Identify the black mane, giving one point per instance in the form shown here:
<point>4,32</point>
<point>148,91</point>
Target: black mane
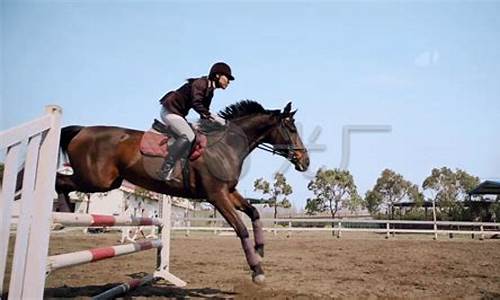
<point>241,109</point>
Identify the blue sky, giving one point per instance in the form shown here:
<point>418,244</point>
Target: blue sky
<point>429,69</point>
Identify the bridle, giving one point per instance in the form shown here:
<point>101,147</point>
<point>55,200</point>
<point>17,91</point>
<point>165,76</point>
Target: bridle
<point>287,150</point>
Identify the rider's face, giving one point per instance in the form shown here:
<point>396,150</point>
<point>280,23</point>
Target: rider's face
<point>223,82</point>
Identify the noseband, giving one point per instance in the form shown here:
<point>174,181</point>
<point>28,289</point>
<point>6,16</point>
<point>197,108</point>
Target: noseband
<point>287,150</point>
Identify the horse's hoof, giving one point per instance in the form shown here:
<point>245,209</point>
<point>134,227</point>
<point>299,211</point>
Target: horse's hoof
<point>260,250</point>
<point>258,274</point>
<point>259,279</point>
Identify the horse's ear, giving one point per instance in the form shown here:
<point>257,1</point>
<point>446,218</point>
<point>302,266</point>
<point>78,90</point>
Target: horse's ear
<point>287,109</point>
<point>293,113</point>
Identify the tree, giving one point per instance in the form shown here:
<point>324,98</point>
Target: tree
<point>416,195</point>
<point>373,201</point>
<point>278,192</point>
<point>332,190</point>
<point>495,209</point>
<point>391,188</point>
<point>449,189</point>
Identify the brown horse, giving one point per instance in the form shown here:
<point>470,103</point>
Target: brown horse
<point>102,157</point>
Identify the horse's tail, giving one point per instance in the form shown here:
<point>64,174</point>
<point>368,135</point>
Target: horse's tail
<point>67,134</point>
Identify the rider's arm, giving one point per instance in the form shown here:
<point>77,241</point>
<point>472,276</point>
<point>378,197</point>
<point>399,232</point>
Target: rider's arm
<point>198,90</point>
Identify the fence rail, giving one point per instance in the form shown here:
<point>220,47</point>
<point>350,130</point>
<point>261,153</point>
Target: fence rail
<point>337,226</point>
<point>330,221</point>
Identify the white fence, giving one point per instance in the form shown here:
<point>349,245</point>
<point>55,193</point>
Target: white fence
<point>41,138</point>
<point>351,225</point>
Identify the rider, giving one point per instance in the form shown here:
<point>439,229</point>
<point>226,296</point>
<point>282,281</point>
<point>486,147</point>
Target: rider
<point>196,93</point>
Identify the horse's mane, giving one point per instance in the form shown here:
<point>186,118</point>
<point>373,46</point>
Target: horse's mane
<point>242,108</point>
<point>239,109</point>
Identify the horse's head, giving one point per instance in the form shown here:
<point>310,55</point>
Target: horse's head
<point>270,130</point>
<point>286,141</point>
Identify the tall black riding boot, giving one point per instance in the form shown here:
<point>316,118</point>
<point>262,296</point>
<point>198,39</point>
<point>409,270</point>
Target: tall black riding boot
<point>177,150</point>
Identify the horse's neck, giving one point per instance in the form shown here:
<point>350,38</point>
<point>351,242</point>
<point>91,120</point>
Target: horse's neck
<point>227,150</point>
<point>254,129</point>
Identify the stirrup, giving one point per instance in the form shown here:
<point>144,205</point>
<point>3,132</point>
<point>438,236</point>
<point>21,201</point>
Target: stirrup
<point>170,176</point>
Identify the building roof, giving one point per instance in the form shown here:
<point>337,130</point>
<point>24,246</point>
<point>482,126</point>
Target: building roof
<point>257,201</point>
<point>128,187</point>
<point>487,187</point>
<point>412,204</point>
<point>429,203</point>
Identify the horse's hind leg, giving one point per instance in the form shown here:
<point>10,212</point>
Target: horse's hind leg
<point>240,203</point>
<point>64,204</point>
<point>64,186</point>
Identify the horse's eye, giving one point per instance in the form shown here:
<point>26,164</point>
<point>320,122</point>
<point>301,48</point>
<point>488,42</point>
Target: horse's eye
<point>291,126</point>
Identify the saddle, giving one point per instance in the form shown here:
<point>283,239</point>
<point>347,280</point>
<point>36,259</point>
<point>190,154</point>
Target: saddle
<point>155,142</point>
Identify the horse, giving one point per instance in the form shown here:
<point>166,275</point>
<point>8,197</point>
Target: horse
<point>102,157</point>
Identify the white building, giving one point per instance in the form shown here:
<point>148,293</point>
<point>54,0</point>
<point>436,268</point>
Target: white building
<point>129,200</point>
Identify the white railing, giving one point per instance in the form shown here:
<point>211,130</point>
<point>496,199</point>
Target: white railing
<point>350,225</point>
<point>41,138</point>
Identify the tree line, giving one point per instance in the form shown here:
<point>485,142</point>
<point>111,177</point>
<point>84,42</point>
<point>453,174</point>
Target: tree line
<point>335,189</point>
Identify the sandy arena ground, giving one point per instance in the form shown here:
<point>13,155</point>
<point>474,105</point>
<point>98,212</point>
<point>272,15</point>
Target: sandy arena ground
<point>305,266</point>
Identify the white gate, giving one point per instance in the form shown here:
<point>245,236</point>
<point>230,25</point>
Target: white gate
<point>33,229</point>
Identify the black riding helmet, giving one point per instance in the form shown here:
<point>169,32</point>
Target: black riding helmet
<point>220,68</point>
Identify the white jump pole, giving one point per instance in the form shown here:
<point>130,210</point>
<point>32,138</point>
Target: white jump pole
<point>90,220</point>
<point>87,256</point>
<point>164,267</point>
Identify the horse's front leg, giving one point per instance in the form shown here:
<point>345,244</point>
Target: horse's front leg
<point>222,201</point>
<point>240,203</point>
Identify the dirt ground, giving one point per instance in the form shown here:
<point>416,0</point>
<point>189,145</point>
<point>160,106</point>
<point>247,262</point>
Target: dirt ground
<point>304,266</point>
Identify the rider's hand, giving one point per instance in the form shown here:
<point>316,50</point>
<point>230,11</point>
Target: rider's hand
<point>213,119</point>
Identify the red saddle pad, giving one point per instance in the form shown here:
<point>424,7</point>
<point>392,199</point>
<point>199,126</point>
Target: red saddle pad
<point>155,144</point>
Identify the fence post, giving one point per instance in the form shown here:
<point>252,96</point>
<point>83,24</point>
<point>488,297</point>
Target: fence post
<point>25,214</point>
<point>214,224</point>
<point>188,224</point>
<point>481,237</point>
<point>289,231</point>
<point>38,245</point>
<point>339,232</point>
<point>164,270</point>
<point>435,231</point>
<point>388,232</point>
<point>434,218</point>
<point>6,201</point>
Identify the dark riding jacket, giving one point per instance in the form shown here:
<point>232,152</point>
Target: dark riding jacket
<point>196,93</point>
